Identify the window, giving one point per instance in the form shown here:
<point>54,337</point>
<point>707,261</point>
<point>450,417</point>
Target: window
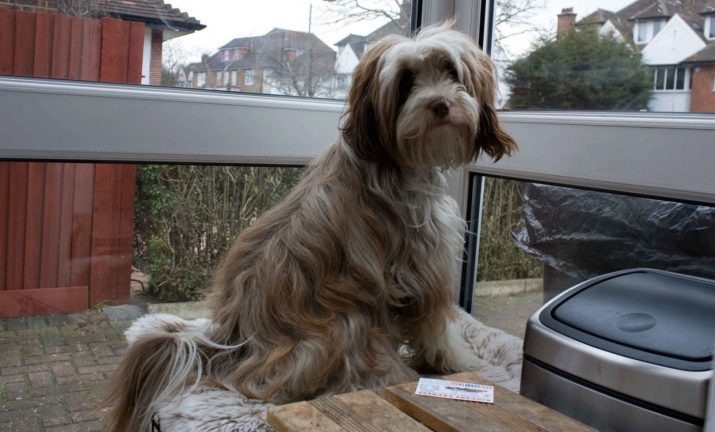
<point>505,268</point>
<point>642,31</point>
<point>560,236</point>
<point>249,77</point>
<point>711,29</point>
<point>671,78</point>
<point>579,145</point>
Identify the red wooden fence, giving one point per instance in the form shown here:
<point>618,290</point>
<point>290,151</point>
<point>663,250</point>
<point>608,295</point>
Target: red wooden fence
<point>66,228</point>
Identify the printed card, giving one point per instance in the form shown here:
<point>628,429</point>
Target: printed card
<point>455,390</point>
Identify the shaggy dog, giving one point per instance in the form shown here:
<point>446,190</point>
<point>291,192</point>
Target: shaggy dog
<point>349,282</point>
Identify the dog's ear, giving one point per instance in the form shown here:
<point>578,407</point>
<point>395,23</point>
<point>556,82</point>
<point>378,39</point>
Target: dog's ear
<point>367,129</point>
<point>480,80</point>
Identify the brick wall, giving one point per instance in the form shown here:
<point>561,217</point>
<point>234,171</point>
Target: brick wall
<point>702,96</point>
<point>30,5</point>
<point>156,53</point>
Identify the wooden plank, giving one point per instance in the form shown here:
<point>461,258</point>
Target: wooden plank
<point>43,45</point>
<point>115,51</point>
<point>441,415</point>
<point>82,223</point>
<point>300,417</point>
<point>91,47</point>
<point>24,43</point>
<point>4,206</point>
<point>7,41</point>
<point>74,64</point>
<point>51,216</point>
<point>136,53</point>
<point>61,33</point>
<point>17,199</point>
<point>42,301</point>
<point>538,414</point>
<point>507,412</point>
<point>102,282</point>
<point>371,413</point>
<point>66,221</point>
<point>33,228</point>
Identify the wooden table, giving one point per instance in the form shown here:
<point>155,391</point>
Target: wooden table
<point>398,409</point>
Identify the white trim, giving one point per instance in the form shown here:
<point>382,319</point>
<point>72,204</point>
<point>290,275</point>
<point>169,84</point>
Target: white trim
<point>146,56</point>
<point>659,155</point>
<point>708,27</point>
<point>44,119</point>
<point>663,155</point>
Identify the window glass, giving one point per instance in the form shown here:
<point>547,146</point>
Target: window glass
<point>537,240</point>
<point>306,49</point>
<point>84,247</point>
<point>712,27</point>
<point>669,78</point>
<point>680,79</point>
<point>597,55</point>
<point>642,28</point>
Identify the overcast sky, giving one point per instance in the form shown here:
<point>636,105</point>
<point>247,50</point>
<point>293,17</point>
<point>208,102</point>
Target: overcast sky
<point>227,19</point>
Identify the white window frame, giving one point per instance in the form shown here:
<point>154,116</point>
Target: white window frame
<point>660,155</point>
<point>709,30</point>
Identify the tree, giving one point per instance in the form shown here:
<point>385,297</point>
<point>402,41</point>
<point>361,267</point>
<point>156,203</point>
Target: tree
<point>304,70</point>
<point>511,17</point>
<point>580,70</point>
<point>173,61</point>
<point>351,11</point>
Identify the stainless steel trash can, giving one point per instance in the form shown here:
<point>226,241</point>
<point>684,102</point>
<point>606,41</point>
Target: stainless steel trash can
<point>625,351</point>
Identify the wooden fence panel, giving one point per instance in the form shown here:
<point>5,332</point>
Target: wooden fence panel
<point>66,228</point>
<point>24,43</point>
<point>17,219</point>
<point>82,222</point>
<point>61,33</point>
<point>91,48</point>
<point>7,42</point>
<point>33,230</point>
<point>66,224</point>
<point>43,45</point>
<point>4,206</point>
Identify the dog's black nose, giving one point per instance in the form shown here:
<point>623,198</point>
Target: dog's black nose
<point>440,108</point>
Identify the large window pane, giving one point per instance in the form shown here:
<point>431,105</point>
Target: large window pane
<point>538,240</point>
<point>76,238</point>
<point>302,48</point>
<point>598,56</point>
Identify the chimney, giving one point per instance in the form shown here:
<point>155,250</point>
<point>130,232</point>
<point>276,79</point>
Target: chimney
<point>567,19</point>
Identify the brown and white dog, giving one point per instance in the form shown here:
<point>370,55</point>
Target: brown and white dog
<point>349,282</point>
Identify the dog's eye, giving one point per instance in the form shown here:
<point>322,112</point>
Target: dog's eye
<point>407,81</point>
<point>452,71</point>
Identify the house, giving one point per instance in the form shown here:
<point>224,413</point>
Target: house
<point>351,48</point>
<point>162,22</point>
<point>675,37</point>
<point>278,62</point>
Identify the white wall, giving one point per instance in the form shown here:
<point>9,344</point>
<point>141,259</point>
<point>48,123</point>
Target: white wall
<point>609,29</point>
<point>670,101</point>
<point>146,56</point>
<point>673,44</point>
<point>346,60</point>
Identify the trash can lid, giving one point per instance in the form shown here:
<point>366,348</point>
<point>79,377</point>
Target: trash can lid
<point>650,315</point>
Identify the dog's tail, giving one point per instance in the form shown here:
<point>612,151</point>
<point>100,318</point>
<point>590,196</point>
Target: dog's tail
<point>166,358</point>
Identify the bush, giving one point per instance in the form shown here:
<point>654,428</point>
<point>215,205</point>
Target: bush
<point>187,216</point>
<point>499,258</point>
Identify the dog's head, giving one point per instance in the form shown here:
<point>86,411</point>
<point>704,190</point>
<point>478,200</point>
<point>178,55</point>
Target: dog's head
<point>424,102</point>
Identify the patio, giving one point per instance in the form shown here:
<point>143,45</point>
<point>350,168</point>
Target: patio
<point>54,369</point>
